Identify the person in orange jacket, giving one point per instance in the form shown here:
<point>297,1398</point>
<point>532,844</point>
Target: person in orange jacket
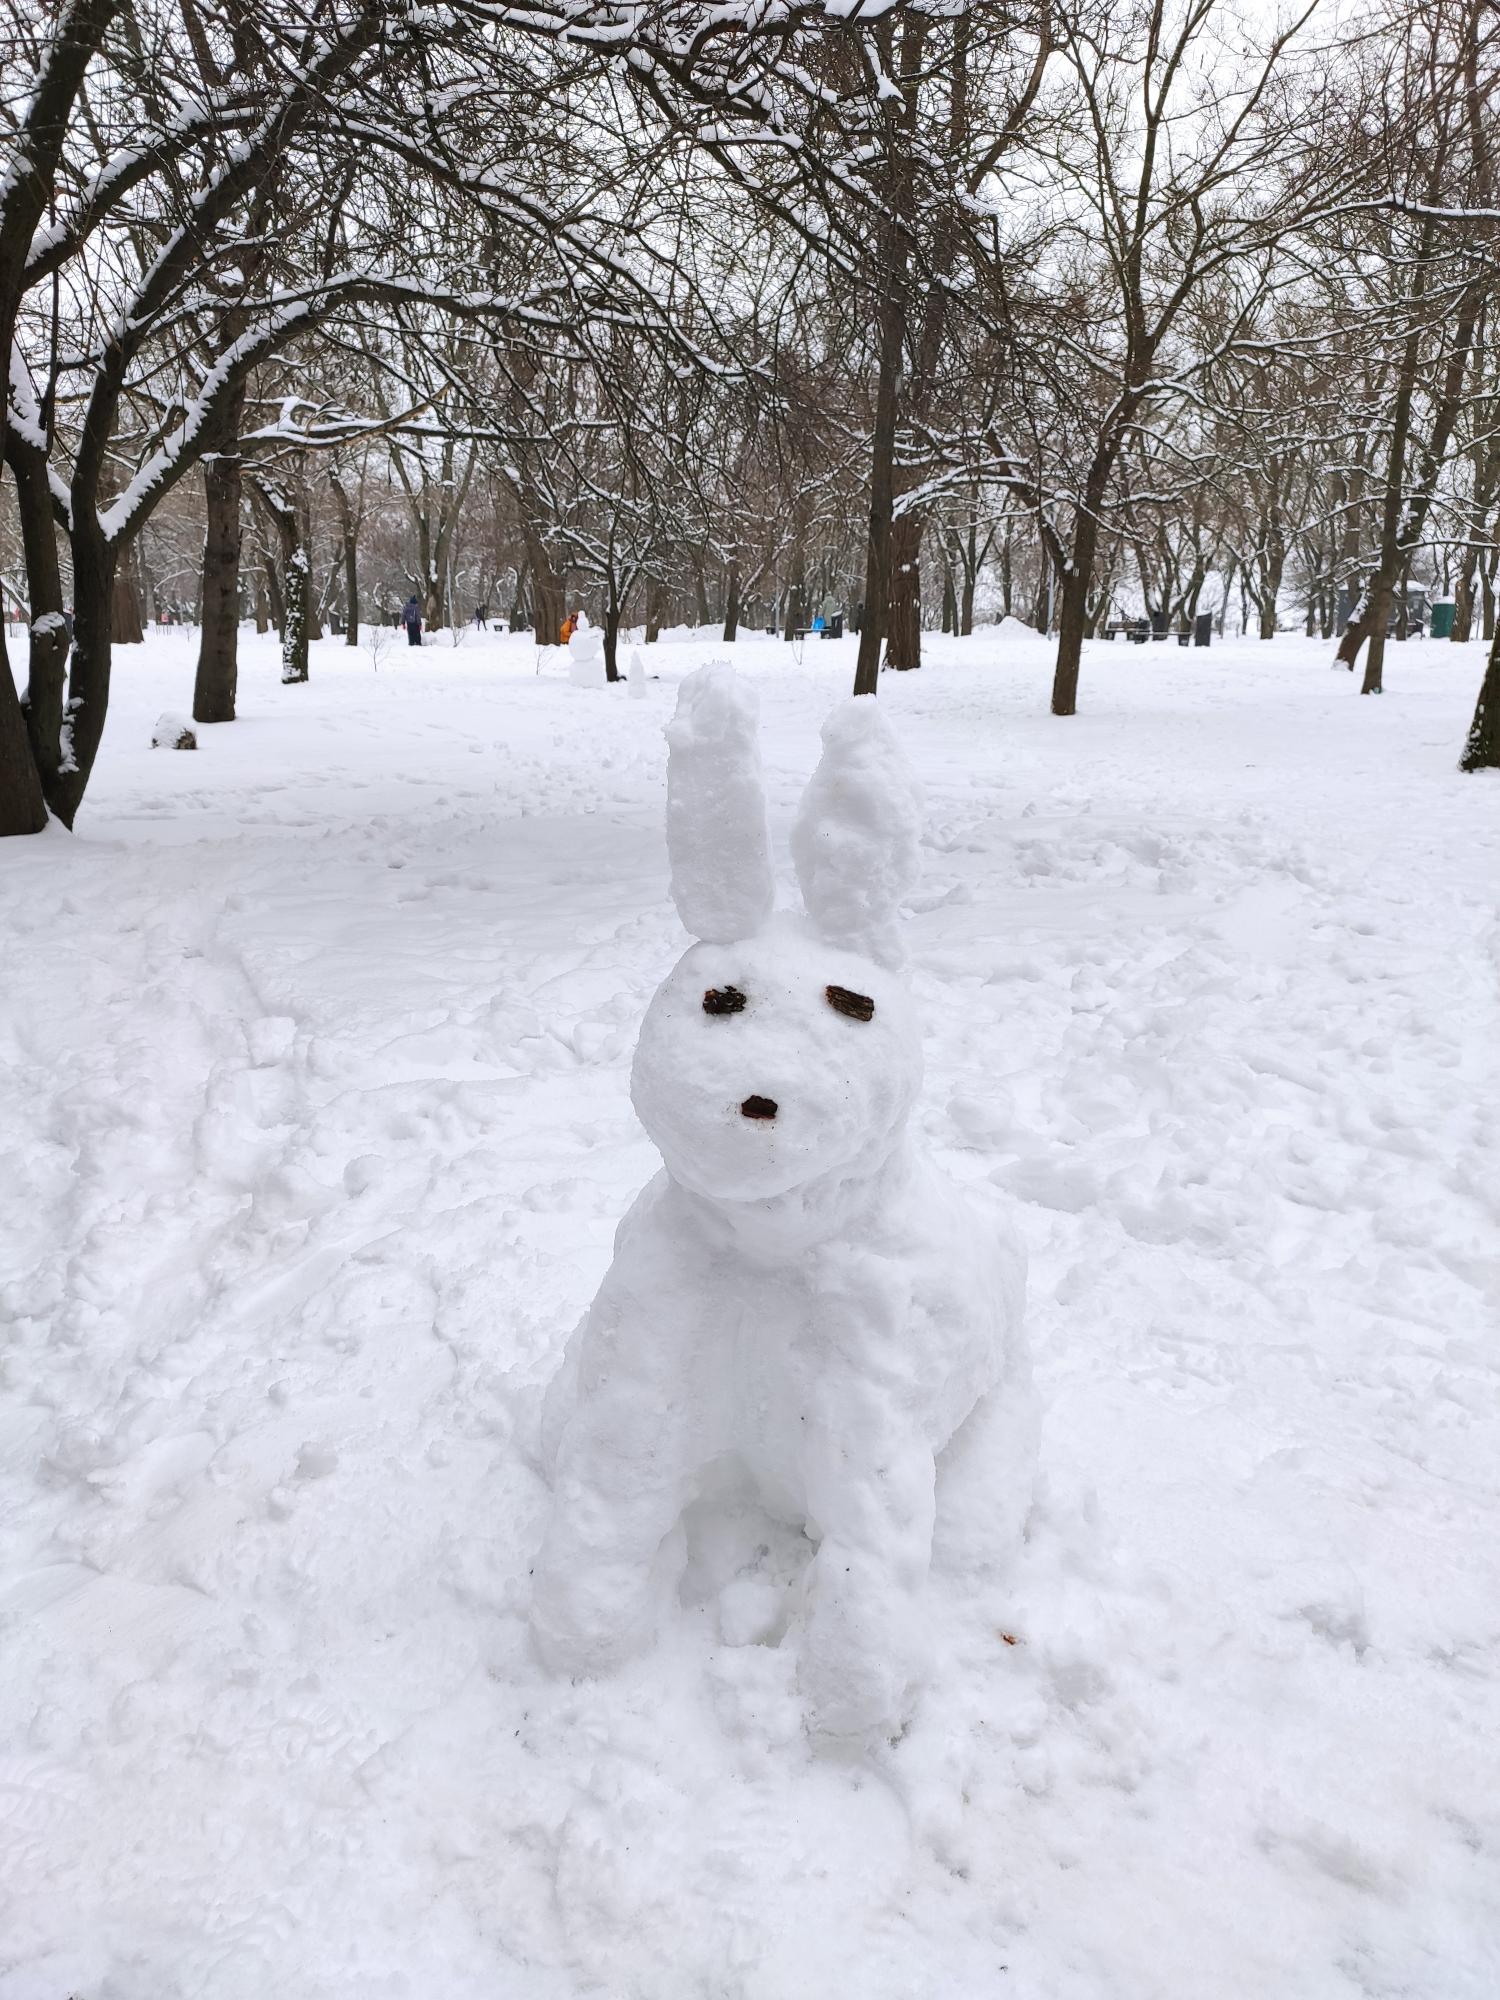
<point>569,626</point>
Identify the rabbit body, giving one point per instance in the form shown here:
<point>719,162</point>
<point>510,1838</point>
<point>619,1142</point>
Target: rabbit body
<point>799,1293</point>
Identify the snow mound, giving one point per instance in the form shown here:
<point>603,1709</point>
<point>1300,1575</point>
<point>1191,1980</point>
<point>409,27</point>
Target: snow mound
<point>1016,632</point>
<point>173,733</point>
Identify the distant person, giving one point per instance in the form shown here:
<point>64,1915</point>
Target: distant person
<point>481,617</point>
<point>569,627</point>
<point>411,618</point>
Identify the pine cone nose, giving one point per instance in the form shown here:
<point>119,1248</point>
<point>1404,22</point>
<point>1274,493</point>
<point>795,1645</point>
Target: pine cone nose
<point>758,1107</point>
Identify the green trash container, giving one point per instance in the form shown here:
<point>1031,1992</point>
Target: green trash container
<point>1442,618</point>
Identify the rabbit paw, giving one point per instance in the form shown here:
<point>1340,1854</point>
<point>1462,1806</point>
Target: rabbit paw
<point>851,1701</point>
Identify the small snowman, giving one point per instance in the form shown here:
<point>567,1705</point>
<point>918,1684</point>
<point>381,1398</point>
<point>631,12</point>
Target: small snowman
<point>586,655</point>
<point>800,1301</point>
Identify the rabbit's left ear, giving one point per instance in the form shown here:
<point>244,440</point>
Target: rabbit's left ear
<point>717,840</point>
<point>856,834</point>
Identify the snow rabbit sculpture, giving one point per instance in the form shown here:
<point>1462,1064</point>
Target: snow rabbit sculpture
<point>800,1294</point>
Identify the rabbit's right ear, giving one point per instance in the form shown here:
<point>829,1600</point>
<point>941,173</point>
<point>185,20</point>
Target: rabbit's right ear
<point>856,835</point>
<point>717,839</point>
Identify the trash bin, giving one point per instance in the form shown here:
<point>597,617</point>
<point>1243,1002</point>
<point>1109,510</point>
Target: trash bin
<point>1442,618</point>
<point>1203,628</point>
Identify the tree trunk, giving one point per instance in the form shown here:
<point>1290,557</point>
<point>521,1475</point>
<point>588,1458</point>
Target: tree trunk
<point>1377,618</point>
<point>971,577</point>
<point>426,581</point>
<point>1401,519</point>
<point>125,608</point>
<point>218,643</point>
<point>883,468</point>
<point>547,606</point>
<point>1273,564</point>
<point>350,550</point>
<point>903,648</point>
<point>36,137</point>
<point>655,609</point>
<point>94,567</point>
<point>1224,600</point>
<point>796,597</point>
<point>1463,598</point>
<point>349,556</point>
<point>1073,615</point>
<point>732,604</point>
<point>1482,748</point>
<point>294,590</point>
<point>612,636</point>
<point>22,807</point>
<point>42,708</point>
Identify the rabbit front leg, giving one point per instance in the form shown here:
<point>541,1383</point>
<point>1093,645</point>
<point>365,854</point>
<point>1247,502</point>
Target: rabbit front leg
<point>628,1456</point>
<point>870,1492</point>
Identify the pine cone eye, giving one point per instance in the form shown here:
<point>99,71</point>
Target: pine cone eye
<point>723,1000</point>
<point>858,1006</point>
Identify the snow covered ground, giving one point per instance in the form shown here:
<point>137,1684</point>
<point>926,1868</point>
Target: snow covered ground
<point>315,1130</point>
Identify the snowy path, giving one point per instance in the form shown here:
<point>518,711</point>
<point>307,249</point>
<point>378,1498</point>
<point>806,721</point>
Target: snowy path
<point>313,1050</point>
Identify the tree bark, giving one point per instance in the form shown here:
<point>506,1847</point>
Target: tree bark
<point>351,589</point>
<point>22,807</point>
<point>295,581</point>
<point>796,597</point>
<point>349,556</point>
<point>295,633</point>
<point>43,707</point>
<point>655,609</point>
<point>94,575</point>
<point>732,603</point>
<point>217,678</point>
<point>1273,567</point>
<point>547,607</point>
<point>903,647</point>
<point>1377,619</point>
<point>35,143</point>
<point>612,637</point>
<point>125,628</point>
<point>1402,520</point>
<point>1482,747</point>
<point>1463,599</point>
<point>882,473</point>
<point>1073,614</point>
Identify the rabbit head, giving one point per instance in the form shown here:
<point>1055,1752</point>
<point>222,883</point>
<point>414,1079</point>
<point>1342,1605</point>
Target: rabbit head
<point>781,1052</point>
